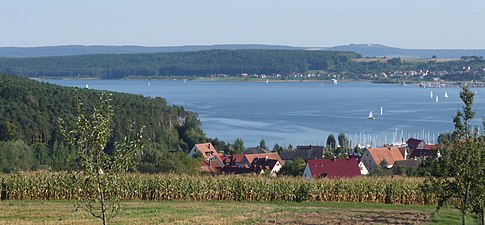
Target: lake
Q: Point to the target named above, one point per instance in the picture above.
(303, 113)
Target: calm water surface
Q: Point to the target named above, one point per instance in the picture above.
(304, 113)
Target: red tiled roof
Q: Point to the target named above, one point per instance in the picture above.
(272, 155)
(234, 159)
(210, 165)
(207, 150)
(402, 150)
(390, 154)
(334, 169)
(224, 158)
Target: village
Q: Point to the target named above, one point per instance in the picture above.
(422, 75)
(393, 159)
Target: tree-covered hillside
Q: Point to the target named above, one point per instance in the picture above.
(198, 63)
(30, 131)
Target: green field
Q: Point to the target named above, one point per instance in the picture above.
(217, 212)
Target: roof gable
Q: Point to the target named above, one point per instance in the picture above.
(264, 164)
(212, 165)
(234, 159)
(273, 155)
(414, 143)
(390, 154)
(208, 151)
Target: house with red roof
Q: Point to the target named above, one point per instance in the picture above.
(256, 163)
(337, 168)
(373, 157)
(215, 162)
(206, 150)
(212, 162)
(426, 151)
(212, 166)
(414, 144)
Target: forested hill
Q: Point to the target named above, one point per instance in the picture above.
(29, 128)
(366, 50)
(197, 63)
(66, 50)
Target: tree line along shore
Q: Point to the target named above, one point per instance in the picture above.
(247, 63)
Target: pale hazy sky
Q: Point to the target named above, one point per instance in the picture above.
(407, 24)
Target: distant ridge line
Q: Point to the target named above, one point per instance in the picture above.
(366, 50)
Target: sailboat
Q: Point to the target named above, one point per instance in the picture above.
(446, 95)
(371, 117)
(87, 86)
(437, 98)
(382, 110)
(431, 94)
(267, 81)
(148, 83)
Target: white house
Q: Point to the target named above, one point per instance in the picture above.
(373, 157)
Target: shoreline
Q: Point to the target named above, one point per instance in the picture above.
(449, 84)
(200, 79)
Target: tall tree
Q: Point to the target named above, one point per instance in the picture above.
(331, 142)
(466, 167)
(262, 144)
(101, 170)
(238, 145)
(277, 148)
(343, 141)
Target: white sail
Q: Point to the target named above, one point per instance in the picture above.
(371, 117)
(267, 81)
(437, 99)
(87, 86)
(446, 95)
(382, 110)
(431, 94)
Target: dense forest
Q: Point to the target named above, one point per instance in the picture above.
(251, 61)
(30, 132)
(198, 63)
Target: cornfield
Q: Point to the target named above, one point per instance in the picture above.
(66, 186)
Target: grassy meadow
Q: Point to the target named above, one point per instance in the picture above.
(221, 212)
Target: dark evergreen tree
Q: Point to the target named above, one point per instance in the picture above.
(262, 144)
